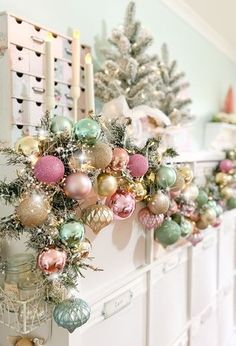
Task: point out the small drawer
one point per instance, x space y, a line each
19 31
37 38
67 95
36 113
26 112
58 68
37 89
36 63
19 58
58 110
59 90
67 72
20 85
66 49
68 112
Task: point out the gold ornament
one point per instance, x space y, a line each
81 160
83 249
101 155
24 342
209 216
190 193
158 203
150 177
186 173
231 155
97 216
227 192
28 146
179 183
222 179
202 224
124 184
33 210
139 190
106 184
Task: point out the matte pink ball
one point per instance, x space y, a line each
226 166
49 169
138 165
122 204
77 185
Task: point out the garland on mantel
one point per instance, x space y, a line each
90 173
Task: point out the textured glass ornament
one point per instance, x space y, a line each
166 176
71 313
168 233
149 220
87 130
61 124
97 216
122 204
71 233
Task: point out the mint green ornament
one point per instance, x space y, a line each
61 124
186 227
231 203
87 131
219 210
212 204
71 233
71 313
202 198
166 176
168 233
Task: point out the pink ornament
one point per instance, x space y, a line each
217 222
149 220
49 169
138 165
195 238
173 208
120 159
51 261
122 204
77 185
226 165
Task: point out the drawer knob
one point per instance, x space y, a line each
20 111
68 51
20 58
37 39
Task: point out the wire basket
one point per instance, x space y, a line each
24 316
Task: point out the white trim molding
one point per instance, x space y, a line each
200 25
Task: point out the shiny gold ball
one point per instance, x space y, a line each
101 155
106 184
222 178
186 173
227 192
33 210
209 216
24 342
179 184
202 224
140 191
27 145
158 203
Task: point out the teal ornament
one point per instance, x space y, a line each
186 228
71 233
71 313
231 203
87 131
168 233
61 124
202 198
166 176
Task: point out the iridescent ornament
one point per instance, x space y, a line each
149 220
28 146
100 155
77 185
51 261
226 165
140 191
187 173
227 192
168 233
166 176
87 131
71 313
106 184
158 203
190 193
49 169
209 216
97 216
202 198
186 227
122 204
120 159
33 210
138 165
71 233
61 124
231 203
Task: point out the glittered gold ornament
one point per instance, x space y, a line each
179 183
124 184
106 184
33 210
209 216
186 173
158 203
227 192
101 155
222 178
97 216
28 146
140 191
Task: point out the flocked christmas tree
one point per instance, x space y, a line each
128 70
171 88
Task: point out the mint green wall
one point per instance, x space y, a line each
208 70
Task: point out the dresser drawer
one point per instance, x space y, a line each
63 94
20 85
37 89
58 110
19 58
36 64
19 31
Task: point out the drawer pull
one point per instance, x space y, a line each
68 97
38 90
20 58
68 51
117 304
20 111
37 39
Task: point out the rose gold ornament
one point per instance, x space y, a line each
195 238
190 193
77 185
120 159
149 220
122 204
209 216
97 216
106 184
158 203
33 210
51 261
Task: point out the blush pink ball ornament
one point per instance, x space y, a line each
195 238
226 165
49 169
51 261
149 220
138 165
122 204
77 185
120 159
